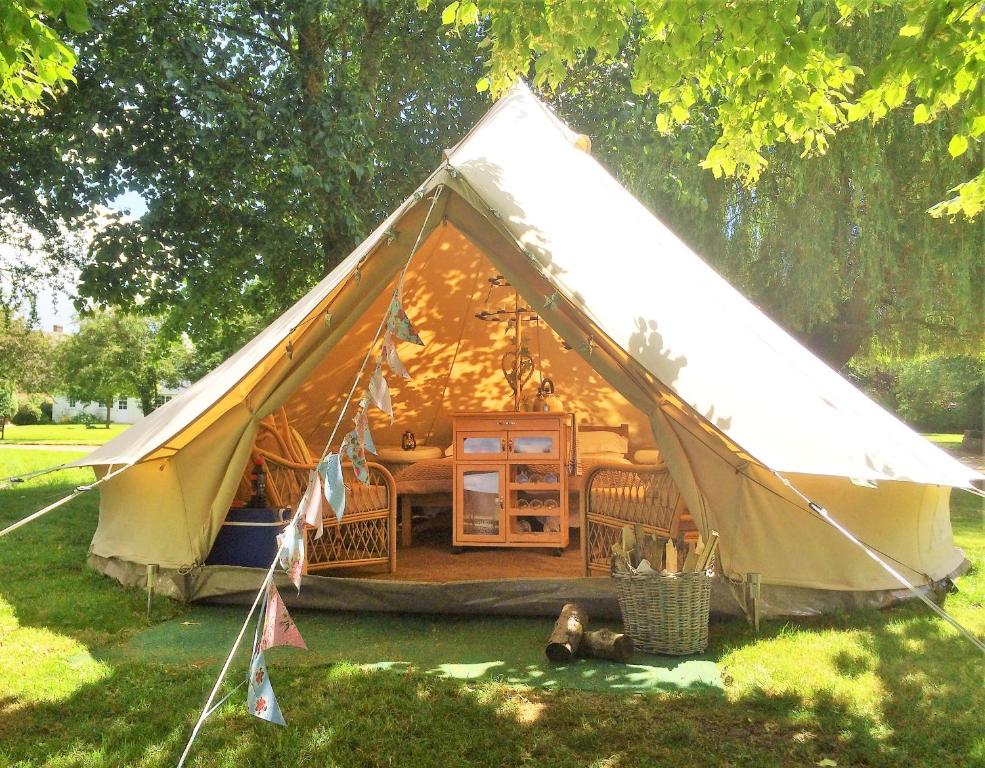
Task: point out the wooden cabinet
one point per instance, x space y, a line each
511 479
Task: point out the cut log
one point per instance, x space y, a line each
568 631
606 644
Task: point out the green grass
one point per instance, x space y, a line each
944 438
60 434
896 687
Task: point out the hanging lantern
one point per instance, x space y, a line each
408 442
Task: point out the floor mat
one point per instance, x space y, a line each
506 649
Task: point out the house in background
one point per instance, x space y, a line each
124 410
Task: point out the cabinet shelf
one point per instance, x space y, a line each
538 512
535 486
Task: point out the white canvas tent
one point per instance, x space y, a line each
659 340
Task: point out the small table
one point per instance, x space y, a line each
394 459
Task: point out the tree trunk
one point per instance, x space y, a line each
836 342
109 407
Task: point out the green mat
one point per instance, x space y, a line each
510 650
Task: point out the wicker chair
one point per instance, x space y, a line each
618 495
366 535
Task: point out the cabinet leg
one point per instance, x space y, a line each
456 550
557 552
406 512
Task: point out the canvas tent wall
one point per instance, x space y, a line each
729 396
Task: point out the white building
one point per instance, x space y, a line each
124 410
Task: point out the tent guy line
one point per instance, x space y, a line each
64 500
208 708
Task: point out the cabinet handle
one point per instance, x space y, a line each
499 500
511 444
502 445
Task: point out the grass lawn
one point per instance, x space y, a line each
60 434
896 687
944 438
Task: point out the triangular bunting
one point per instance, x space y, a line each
399 324
278 626
389 353
362 428
330 469
260 699
290 551
379 391
353 448
312 505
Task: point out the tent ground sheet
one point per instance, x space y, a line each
503 649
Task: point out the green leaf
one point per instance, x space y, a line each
449 13
895 95
921 114
663 123
482 85
910 30
958 145
679 113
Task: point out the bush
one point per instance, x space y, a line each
82 418
932 394
27 413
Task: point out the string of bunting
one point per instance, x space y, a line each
326 485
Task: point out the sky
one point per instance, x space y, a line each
55 307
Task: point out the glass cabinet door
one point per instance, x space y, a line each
482 499
481 445
533 445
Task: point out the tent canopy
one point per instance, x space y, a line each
658 340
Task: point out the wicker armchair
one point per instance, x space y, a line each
619 495
366 535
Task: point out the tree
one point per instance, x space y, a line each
768 73
8 404
266 139
33 58
836 247
117 354
25 355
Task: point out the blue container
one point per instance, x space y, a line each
248 538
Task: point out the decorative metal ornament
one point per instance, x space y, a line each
408 441
518 367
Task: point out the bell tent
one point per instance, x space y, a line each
634 329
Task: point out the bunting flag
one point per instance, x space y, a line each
330 469
312 504
398 324
389 353
353 448
260 699
290 551
278 626
362 427
379 391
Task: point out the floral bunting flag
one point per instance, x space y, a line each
353 448
278 626
330 469
362 428
389 353
260 699
313 504
379 391
290 551
399 324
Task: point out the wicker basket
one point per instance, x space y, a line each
665 614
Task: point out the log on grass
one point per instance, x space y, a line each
569 628
606 644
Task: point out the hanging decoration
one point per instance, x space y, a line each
362 427
260 699
278 626
398 324
312 504
550 301
290 550
389 353
352 446
330 471
379 391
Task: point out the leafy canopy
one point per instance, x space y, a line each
33 58
768 74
